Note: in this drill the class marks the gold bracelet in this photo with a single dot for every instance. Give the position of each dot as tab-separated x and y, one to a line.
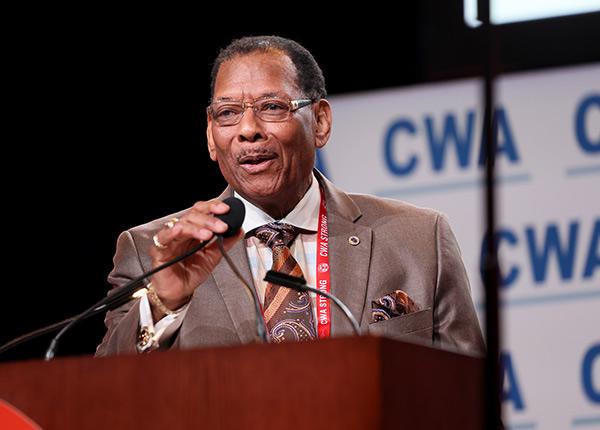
156	301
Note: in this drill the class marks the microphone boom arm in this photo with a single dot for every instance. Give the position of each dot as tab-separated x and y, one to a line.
299	284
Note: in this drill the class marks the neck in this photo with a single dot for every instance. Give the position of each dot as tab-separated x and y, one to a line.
277	212
277	207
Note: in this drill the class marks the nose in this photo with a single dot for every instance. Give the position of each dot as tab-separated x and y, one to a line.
250	128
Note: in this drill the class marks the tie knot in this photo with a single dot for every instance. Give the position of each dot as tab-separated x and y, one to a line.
276	234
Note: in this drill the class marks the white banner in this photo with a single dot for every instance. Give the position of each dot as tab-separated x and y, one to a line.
423	145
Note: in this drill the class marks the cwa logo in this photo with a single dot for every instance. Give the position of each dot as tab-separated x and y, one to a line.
552	246
450	135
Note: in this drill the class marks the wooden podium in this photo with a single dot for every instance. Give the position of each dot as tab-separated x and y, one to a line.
344	383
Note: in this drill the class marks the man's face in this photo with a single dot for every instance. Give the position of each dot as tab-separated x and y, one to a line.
269	163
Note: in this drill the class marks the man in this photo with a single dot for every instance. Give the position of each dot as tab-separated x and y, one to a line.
397	267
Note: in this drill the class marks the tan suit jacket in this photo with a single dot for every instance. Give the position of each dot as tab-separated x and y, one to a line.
401	247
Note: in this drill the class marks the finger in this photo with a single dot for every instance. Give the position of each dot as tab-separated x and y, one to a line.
186	231
199	223
219	207
214	206
206	221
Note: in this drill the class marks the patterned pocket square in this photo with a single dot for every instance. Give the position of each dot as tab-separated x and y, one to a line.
392	305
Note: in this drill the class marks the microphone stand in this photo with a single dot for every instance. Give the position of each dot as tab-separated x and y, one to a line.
56	326
110	302
120	296
299	284
493	406
233	219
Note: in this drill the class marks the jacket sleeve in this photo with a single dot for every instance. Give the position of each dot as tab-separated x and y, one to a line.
122	323
456	326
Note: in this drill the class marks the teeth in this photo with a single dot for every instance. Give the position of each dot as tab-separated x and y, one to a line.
256	160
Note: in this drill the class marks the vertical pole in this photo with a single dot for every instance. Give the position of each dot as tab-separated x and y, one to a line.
490	263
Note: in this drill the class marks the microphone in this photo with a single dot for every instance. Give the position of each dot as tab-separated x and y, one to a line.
234	219
299	284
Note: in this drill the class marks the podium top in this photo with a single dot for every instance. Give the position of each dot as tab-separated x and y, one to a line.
350	383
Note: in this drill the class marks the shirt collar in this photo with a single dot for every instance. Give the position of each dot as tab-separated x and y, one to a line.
305	215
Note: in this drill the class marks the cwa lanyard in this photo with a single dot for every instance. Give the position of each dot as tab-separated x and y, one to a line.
322	272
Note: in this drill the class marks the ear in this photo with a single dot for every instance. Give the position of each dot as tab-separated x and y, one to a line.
210	139
323	121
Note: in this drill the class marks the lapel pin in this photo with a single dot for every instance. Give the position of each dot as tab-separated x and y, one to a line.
353	240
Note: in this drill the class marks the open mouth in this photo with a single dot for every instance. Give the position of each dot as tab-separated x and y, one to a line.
255	162
256	158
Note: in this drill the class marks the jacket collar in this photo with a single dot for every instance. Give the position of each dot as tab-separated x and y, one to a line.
349	265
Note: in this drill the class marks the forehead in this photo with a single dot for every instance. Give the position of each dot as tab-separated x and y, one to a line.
255	75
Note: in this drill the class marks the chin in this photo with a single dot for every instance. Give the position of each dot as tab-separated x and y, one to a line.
263	184
263	193
259	189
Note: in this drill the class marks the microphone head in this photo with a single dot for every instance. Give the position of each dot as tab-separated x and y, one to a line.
235	217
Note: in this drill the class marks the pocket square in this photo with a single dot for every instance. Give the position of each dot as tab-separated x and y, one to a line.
392	305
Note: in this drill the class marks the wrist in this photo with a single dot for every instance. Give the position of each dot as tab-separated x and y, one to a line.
163	305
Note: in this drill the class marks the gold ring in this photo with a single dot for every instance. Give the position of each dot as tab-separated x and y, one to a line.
157	242
171	223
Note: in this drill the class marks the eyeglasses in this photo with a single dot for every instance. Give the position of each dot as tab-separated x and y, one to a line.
269	109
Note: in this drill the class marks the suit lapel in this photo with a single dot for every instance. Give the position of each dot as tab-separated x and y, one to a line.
349	262
349	267
236	297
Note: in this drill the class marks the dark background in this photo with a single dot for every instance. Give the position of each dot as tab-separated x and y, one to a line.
105	116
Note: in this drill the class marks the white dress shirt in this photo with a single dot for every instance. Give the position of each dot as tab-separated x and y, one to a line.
304	249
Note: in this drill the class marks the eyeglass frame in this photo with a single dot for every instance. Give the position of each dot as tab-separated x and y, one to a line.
294	105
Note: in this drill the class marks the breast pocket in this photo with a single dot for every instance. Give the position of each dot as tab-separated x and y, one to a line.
417	324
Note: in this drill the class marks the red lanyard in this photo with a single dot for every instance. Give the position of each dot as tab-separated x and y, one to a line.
322	272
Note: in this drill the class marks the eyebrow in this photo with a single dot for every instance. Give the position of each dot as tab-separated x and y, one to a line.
271	94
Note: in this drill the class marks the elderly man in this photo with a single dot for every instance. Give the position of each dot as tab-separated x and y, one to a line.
397	267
